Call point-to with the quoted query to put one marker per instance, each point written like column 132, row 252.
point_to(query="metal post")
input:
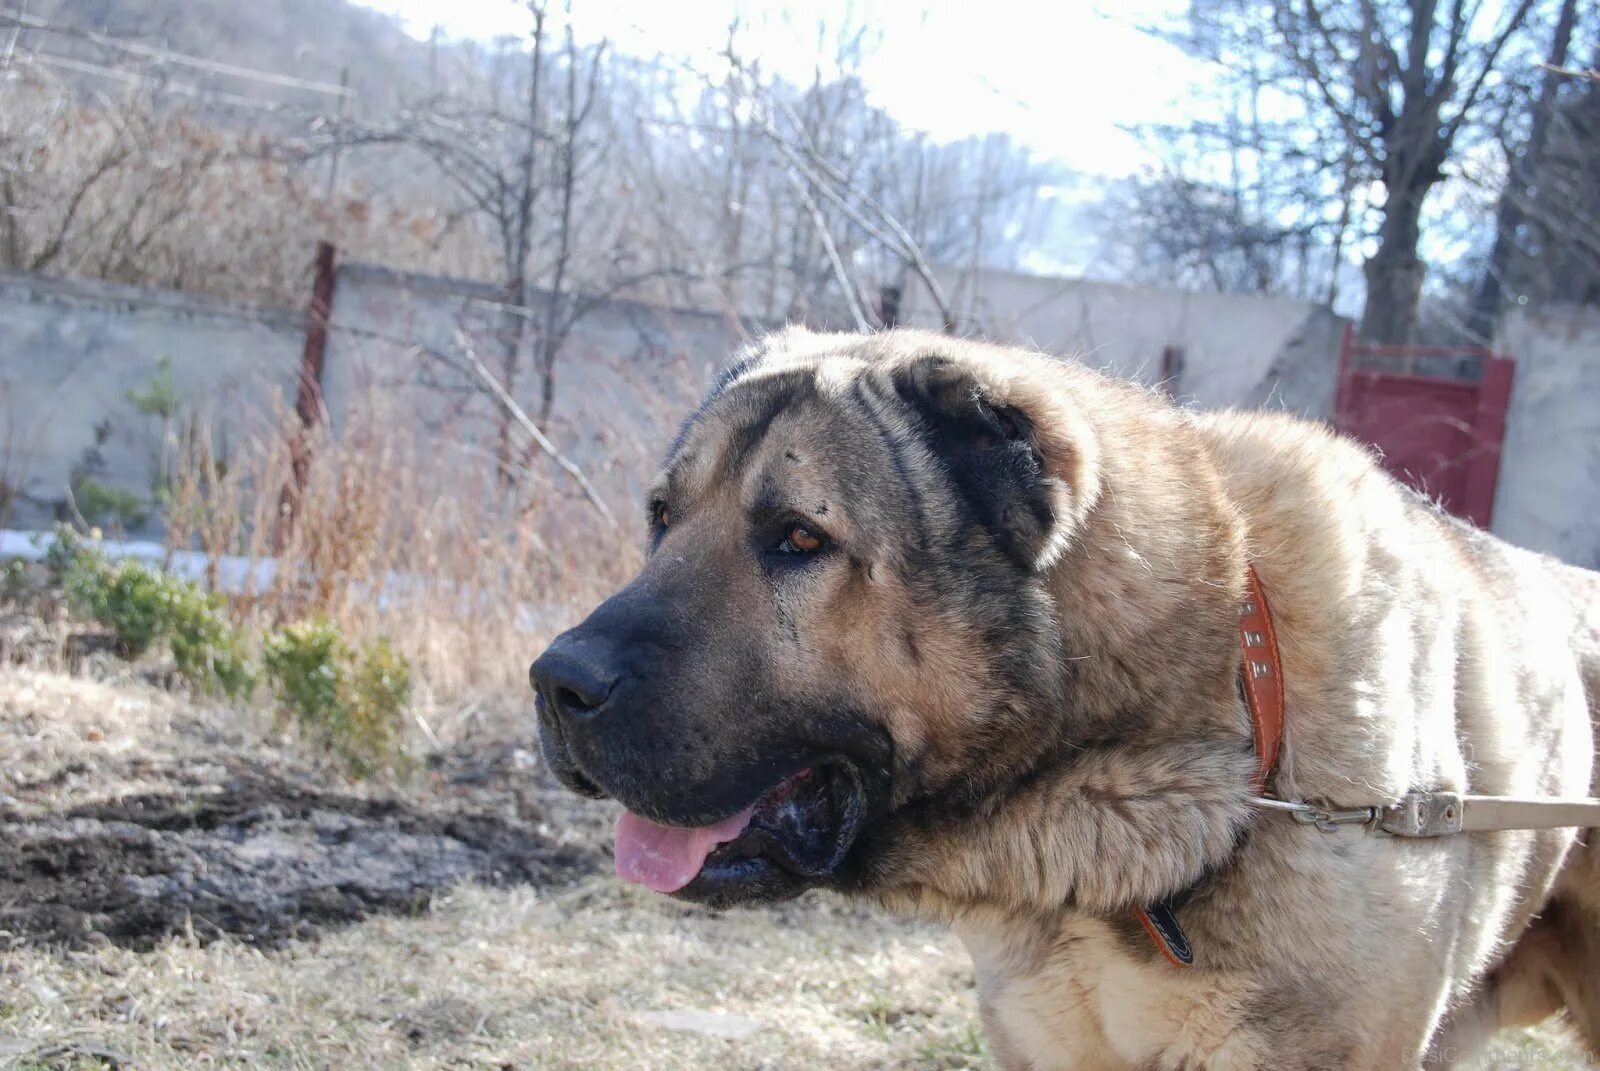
column 338, row 127
column 1341, row 385
column 308, row 393
column 889, row 306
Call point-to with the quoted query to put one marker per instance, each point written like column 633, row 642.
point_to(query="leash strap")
column 1444, row 814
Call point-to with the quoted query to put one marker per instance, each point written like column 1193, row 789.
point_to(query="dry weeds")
column 410, row 537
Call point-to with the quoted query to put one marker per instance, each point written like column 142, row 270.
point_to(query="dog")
column 954, row 627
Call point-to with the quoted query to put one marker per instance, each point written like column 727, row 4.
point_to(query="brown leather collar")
column 1261, row 685
column 1261, row 678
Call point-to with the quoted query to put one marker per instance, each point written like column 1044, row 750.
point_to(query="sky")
column 1063, row 78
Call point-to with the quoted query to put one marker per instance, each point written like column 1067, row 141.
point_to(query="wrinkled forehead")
column 801, row 410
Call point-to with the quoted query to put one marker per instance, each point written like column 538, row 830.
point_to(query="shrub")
column 66, row 552
column 356, row 705
column 208, row 651
column 99, row 503
column 127, row 598
column 143, row 607
column 380, row 692
column 16, row 586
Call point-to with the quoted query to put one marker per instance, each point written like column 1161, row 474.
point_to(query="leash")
column 1443, row 814
column 1416, row 815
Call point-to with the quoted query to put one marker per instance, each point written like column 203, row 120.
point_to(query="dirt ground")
column 177, row 893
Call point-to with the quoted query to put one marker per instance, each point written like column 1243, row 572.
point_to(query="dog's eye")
column 662, row 515
column 802, row 540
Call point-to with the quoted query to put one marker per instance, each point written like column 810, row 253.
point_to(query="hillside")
column 308, row 39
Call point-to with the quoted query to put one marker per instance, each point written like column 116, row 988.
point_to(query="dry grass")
column 414, row 538
column 593, row 978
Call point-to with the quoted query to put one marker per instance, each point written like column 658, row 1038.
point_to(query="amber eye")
column 663, row 516
column 802, row 540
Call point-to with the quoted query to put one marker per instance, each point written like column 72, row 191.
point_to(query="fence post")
column 308, row 406
column 1489, row 434
column 889, row 306
column 1341, row 385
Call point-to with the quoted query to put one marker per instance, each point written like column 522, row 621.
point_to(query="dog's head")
column 844, row 618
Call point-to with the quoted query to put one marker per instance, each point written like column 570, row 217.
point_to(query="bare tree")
column 1169, row 229
column 524, row 154
column 1523, row 163
column 1546, row 240
column 143, row 191
column 1384, row 93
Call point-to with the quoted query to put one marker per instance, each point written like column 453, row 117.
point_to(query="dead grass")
column 595, row 978
column 414, row 538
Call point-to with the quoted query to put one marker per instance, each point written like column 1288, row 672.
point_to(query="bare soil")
column 129, row 815
column 234, row 849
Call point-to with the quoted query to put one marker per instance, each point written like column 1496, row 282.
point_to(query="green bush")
column 99, row 503
column 16, row 586
column 130, row 600
column 209, row 652
column 354, row 704
column 143, row 607
column 67, row 551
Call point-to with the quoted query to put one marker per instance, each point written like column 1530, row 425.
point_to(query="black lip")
column 794, row 842
column 553, row 746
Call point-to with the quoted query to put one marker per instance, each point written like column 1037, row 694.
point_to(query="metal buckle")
column 1423, row 814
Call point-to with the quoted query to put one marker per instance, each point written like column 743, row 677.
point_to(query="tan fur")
column 1418, row 654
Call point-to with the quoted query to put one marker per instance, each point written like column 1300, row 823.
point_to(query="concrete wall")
column 1238, row 350
column 1549, row 492
column 72, row 349
column 624, row 378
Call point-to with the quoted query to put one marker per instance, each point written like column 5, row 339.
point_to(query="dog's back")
column 1524, row 701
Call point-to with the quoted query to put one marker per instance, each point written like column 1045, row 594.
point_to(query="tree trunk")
column 1523, row 170
column 521, row 228
column 1395, row 272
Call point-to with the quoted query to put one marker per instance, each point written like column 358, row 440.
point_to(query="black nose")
column 574, row 681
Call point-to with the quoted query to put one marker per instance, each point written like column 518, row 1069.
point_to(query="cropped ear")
column 997, row 456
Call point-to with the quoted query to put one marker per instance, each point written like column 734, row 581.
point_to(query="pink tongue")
column 666, row 858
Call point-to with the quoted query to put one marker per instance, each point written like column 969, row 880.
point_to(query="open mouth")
column 795, row 834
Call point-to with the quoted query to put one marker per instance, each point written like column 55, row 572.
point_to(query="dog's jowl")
column 957, row 628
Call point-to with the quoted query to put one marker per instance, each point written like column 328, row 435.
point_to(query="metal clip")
column 1326, row 819
column 1329, row 819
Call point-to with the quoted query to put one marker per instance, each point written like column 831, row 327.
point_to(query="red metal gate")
column 1438, row 414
